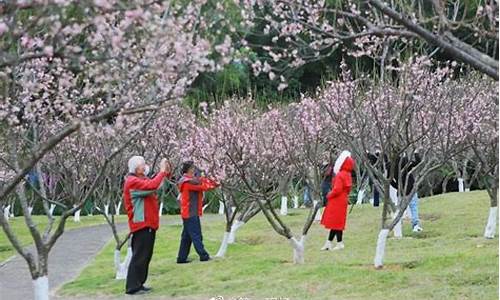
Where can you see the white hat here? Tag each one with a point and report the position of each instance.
(134, 162)
(340, 161)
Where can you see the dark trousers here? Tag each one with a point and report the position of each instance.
(376, 197)
(143, 242)
(191, 234)
(376, 194)
(334, 233)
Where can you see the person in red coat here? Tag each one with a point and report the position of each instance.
(141, 203)
(191, 190)
(335, 214)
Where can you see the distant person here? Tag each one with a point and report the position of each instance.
(373, 157)
(326, 183)
(307, 195)
(191, 190)
(413, 205)
(335, 215)
(141, 204)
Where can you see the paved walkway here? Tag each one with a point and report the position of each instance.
(72, 252)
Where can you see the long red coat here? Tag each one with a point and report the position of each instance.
(335, 214)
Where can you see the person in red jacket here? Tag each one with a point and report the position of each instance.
(335, 214)
(141, 204)
(191, 190)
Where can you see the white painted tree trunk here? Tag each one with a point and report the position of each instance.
(467, 190)
(161, 209)
(284, 206)
(106, 210)
(361, 195)
(393, 194)
(221, 207)
(398, 228)
(223, 246)
(232, 234)
(122, 267)
(30, 210)
(491, 226)
(460, 185)
(52, 207)
(380, 250)
(298, 249)
(319, 213)
(117, 208)
(12, 210)
(6, 212)
(41, 288)
(295, 201)
(76, 217)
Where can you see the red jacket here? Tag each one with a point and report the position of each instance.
(191, 194)
(335, 214)
(141, 201)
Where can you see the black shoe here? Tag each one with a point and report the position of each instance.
(140, 291)
(146, 288)
(184, 261)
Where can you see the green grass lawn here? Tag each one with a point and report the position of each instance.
(449, 260)
(19, 227)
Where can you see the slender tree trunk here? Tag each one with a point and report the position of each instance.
(491, 225)
(232, 233)
(6, 212)
(221, 207)
(223, 246)
(361, 194)
(295, 201)
(461, 185)
(160, 211)
(445, 185)
(41, 287)
(117, 208)
(284, 206)
(52, 208)
(380, 250)
(298, 249)
(122, 267)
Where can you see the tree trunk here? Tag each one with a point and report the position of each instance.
(295, 201)
(221, 207)
(52, 208)
(491, 226)
(445, 185)
(122, 267)
(223, 246)
(298, 249)
(30, 209)
(361, 194)
(380, 250)
(76, 217)
(460, 185)
(41, 288)
(6, 212)
(284, 206)
(398, 229)
(232, 233)
(161, 209)
(106, 209)
(117, 208)
(319, 212)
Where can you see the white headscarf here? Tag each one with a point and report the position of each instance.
(340, 161)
